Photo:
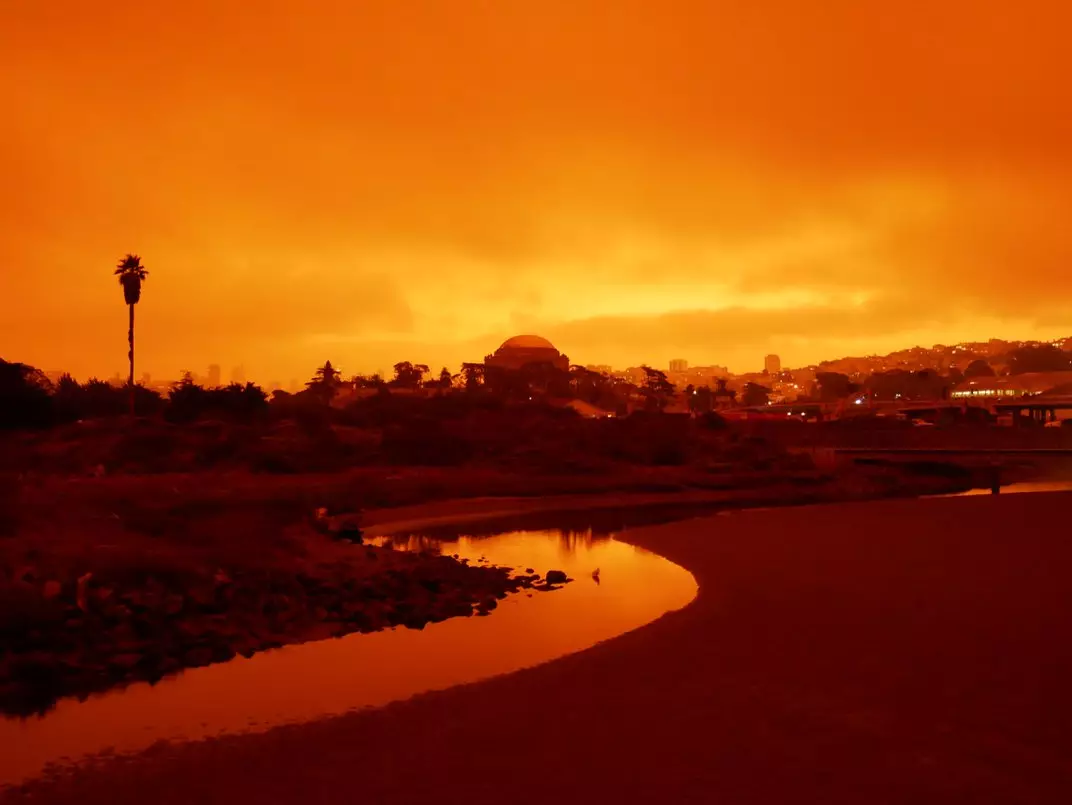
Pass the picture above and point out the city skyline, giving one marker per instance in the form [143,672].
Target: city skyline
[796,193]
[763,365]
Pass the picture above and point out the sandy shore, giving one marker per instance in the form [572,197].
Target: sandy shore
[909,651]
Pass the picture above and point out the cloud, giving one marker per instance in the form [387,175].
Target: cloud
[632,179]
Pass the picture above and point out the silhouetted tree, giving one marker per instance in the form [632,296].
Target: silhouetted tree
[68,398]
[701,400]
[24,396]
[131,275]
[186,400]
[409,375]
[978,368]
[325,383]
[446,379]
[754,394]
[1040,358]
[474,375]
[834,386]
[657,388]
[592,387]
[723,397]
[367,382]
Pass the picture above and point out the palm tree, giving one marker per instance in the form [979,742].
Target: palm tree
[131,275]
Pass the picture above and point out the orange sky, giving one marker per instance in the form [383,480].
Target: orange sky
[376,180]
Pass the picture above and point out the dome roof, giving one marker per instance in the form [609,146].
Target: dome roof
[527,342]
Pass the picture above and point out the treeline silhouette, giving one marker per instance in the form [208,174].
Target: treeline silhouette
[29,400]
[79,428]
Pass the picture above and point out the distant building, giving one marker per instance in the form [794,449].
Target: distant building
[772,364]
[710,371]
[1028,384]
[679,365]
[524,350]
[238,375]
[213,379]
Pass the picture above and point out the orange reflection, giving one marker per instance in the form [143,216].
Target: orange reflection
[299,683]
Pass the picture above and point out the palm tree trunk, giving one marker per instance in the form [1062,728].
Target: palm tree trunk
[130,339]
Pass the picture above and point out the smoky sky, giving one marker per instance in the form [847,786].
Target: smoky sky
[378,181]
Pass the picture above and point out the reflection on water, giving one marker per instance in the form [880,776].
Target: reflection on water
[1021,488]
[304,682]
[570,541]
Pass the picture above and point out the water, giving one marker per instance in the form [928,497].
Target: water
[1025,487]
[313,680]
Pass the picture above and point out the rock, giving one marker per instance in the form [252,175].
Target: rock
[222,652]
[124,661]
[173,604]
[203,597]
[346,526]
[26,573]
[529,570]
[81,590]
[51,590]
[556,577]
[202,655]
[192,628]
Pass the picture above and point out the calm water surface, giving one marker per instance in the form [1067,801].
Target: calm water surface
[304,682]
[1022,488]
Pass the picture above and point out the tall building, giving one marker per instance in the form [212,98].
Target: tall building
[772,364]
[213,379]
[679,365]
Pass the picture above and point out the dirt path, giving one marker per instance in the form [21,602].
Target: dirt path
[891,652]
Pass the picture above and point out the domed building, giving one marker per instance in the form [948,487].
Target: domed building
[523,350]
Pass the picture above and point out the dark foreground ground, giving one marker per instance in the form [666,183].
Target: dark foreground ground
[892,652]
[113,580]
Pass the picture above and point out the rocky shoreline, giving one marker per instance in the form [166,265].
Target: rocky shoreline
[93,634]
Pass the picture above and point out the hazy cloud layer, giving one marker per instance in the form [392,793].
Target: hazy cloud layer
[380,180]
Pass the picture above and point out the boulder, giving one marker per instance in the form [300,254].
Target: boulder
[81,591]
[124,661]
[202,655]
[173,604]
[556,577]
